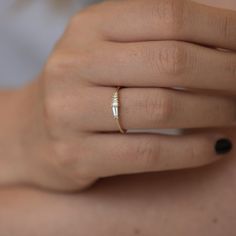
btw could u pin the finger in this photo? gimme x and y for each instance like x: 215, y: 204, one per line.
x: 135, y: 153
x: 147, y: 108
x: 161, y: 64
x: 138, y: 20
x: 228, y: 131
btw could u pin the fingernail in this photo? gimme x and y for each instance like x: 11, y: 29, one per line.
x: 223, y: 146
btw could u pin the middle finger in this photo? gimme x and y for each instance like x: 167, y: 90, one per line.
x: 160, y: 64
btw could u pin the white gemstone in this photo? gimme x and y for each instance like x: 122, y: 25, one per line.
x: 115, y: 111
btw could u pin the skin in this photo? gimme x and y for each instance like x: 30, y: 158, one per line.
x: 169, y: 44
x: 182, y: 200
x: 194, y: 202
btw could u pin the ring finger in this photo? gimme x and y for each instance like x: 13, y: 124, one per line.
x: 149, y: 108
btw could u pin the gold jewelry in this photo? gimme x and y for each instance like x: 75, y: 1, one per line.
x: 115, y: 109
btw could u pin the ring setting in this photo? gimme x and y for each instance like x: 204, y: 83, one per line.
x: 115, y: 109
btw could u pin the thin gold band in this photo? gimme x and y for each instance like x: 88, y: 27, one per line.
x: 119, y: 126
x: 115, y: 109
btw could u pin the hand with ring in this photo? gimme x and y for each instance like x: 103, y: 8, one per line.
x: 134, y: 65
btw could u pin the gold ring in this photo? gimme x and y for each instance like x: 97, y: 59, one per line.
x: 115, y: 110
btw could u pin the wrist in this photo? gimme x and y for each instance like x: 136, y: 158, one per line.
x: 19, y: 127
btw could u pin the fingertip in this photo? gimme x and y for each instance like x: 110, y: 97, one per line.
x: 223, y: 146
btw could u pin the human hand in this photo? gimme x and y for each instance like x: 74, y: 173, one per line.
x: 181, y: 203
x: 147, y: 48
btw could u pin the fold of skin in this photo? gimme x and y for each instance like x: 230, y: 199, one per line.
x: 180, y: 203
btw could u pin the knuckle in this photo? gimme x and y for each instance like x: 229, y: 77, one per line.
x: 173, y: 59
x: 229, y: 108
x: 159, y: 107
x: 64, y: 158
x: 193, y: 153
x: 199, y: 152
x: 231, y: 67
x: 58, y: 64
x: 147, y: 154
x: 68, y: 161
x: 63, y: 65
x: 53, y: 102
x: 53, y: 112
x: 227, y: 28
x: 225, y: 110
x: 61, y: 72
x: 171, y: 12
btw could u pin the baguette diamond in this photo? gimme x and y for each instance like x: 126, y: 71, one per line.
x: 115, y: 105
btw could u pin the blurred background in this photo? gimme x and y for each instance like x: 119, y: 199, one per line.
x: 28, y: 31
x: 30, y: 28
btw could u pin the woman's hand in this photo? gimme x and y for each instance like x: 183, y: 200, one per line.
x: 180, y: 203
x: 146, y: 47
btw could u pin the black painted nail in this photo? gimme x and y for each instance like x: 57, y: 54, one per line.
x: 223, y: 146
